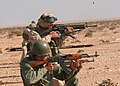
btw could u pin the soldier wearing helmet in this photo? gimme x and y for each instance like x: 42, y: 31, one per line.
x: 46, y: 22
x: 37, y: 71
x: 41, y: 48
x: 27, y: 32
x: 29, y: 37
x: 32, y: 25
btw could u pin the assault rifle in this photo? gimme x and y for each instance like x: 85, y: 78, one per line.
x: 65, y: 60
x: 61, y: 59
x: 62, y: 28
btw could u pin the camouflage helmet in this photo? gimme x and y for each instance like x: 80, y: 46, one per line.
x: 41, y: 48
x: 32, y: 25
x: 48, y: 17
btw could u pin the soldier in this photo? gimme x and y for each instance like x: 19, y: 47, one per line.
x: 36, y: 71
x: 32, y: 25
x: 45, y: 22
x: 29, y: 37
x: 55, y: 38
x: 27, y: 33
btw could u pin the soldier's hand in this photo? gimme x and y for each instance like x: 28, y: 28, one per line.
x: 68, y: 30
x: 75, y: 64
x: 54, y: 34
x: 50, y: 67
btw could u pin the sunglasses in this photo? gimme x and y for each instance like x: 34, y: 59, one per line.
x: 49, y: 19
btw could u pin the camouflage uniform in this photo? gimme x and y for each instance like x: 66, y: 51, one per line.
x: 31, y: 30
x: 44, y: 21
x: 35, y: 32
x: 42, y: 29
x: 29, y: 37
x: 29, y: 34
x: 38, y: 76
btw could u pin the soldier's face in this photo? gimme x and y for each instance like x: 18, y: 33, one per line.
x: 48, y: 25
x: 41, y: 58
x: 45, y: 24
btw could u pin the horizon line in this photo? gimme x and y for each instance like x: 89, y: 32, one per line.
x: 64, y: 22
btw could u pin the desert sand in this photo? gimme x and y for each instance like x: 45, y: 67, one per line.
x: 106, y: 41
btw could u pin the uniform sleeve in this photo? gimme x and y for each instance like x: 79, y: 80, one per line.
x: 31, y: 75
x: 25, y: 34
x: 59, y: 73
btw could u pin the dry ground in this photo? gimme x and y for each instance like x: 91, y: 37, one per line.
x: 106, y: 42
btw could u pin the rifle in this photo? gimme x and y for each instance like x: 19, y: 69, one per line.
x: 62, y: 28
x: 75, y: 26
x: 68, y: 57
x: 14, y: 49
x: 74, y: 37
x: 61, y: 59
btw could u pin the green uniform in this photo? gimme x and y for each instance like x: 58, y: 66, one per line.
x: 38, y: 76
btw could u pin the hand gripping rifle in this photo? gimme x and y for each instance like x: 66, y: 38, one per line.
x: 76, y: 27
x: 65, y: 60
x: 61, y: 59
x: 62, y: 28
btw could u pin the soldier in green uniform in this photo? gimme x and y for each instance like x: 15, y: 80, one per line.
x: 36, y: 71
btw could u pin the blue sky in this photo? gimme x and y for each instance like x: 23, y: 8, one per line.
x: 21, y: 12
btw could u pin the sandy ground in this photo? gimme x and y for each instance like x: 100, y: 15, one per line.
x: 106, y: 42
